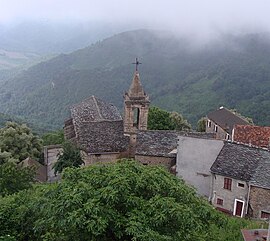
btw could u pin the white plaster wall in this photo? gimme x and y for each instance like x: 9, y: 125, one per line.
x: 195, y: 157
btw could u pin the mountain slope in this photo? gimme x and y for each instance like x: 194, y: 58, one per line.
x: 233, y: 71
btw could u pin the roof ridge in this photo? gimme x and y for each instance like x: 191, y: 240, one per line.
x: 98, y: 110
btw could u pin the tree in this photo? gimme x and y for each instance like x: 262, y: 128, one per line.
x: 14, y: 177
x: 123, y: 201
x: 178, y: 122
x: 19, y: 141
x: 159, y: 119
x: 53, y: 138
x: 201, y: 124
x: 69, y: 157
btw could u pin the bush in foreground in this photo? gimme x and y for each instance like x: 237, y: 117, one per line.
x: 123, y: 201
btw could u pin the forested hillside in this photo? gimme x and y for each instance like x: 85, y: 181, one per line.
x: 233, y: 71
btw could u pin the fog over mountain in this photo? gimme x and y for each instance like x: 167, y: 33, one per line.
x: 201, y: 20
x: 196, y: 55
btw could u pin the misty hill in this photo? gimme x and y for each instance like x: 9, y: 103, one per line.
x: 178, y: 75
x: 47, y: 37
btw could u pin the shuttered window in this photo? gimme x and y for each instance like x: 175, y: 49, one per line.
x: 228, y: 183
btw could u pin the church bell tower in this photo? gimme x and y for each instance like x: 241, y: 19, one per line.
x: 136, y: 103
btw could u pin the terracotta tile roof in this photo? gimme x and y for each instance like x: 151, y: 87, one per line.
x: 254, y: 234
x: 162, y: 142
x: 226, y: 119
x: 239, y: 161
x: 254, y: 135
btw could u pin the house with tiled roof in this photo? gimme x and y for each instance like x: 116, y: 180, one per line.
x: 237, y: 168
x: 222, y: 122
x: 253, y: 135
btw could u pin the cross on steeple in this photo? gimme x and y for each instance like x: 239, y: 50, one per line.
x: 137, y: 64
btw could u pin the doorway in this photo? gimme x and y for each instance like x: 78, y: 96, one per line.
x: 238, y: 208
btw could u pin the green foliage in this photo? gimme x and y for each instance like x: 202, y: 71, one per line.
x: 123, y: 201
x: 53, y: 138
x: 19, y: 141
x: 14, y: 177
x: 201, y: 124
x: 69, y: 157
x: 7, y: 238
x: 192, y: 83
x: 159, y: 119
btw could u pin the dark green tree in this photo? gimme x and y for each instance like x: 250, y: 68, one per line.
x: 19, y: 141
x: 123, y: 202
x: 53, y: 138
x: 69, y: 157
x: 159, y: 119
x: 14, y: 177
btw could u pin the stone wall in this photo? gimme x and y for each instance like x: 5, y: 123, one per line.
x: 259, y: 200
x: 50, y: 157
x: 220, y: 133
x: 90, y: 159
x: 228, y: 196
x: 156, y: 160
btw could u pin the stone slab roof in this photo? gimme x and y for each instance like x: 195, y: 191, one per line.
x: 226, y: 119
x: 239, y: 161
x: 94, y: 109
x: 255, y: 135
x: 261, y: 176
x: 103, y: 136
x: 162, y: 143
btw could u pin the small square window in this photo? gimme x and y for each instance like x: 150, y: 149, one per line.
x: 265, y: 214
x: 220, y: 201
x: 241, y: 185
x: 228, y: 183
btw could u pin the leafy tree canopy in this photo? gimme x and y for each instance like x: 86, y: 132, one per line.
x: 122, y: 201
x: 201, y: 124
x: 53, y: 138
x: 69, y: 157
x: 19, y: 141
x: 159, y: 119
x: 14, y: 177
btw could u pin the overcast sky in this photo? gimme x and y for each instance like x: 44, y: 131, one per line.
x: 188, y: 15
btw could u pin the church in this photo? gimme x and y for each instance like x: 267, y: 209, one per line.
x: 101, y: 132
x: 104, y: 136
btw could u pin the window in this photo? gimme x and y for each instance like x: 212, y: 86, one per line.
x: 228, y: 183
x: 220, y: 201
x: 136, y: 116
x: 227, y: 136
x: 209, y: 123
x: 265, y: 214
x: 241, y: 185
x: 215, y: 128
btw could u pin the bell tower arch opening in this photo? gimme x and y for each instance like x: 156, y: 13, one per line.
x: 136, y: 103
